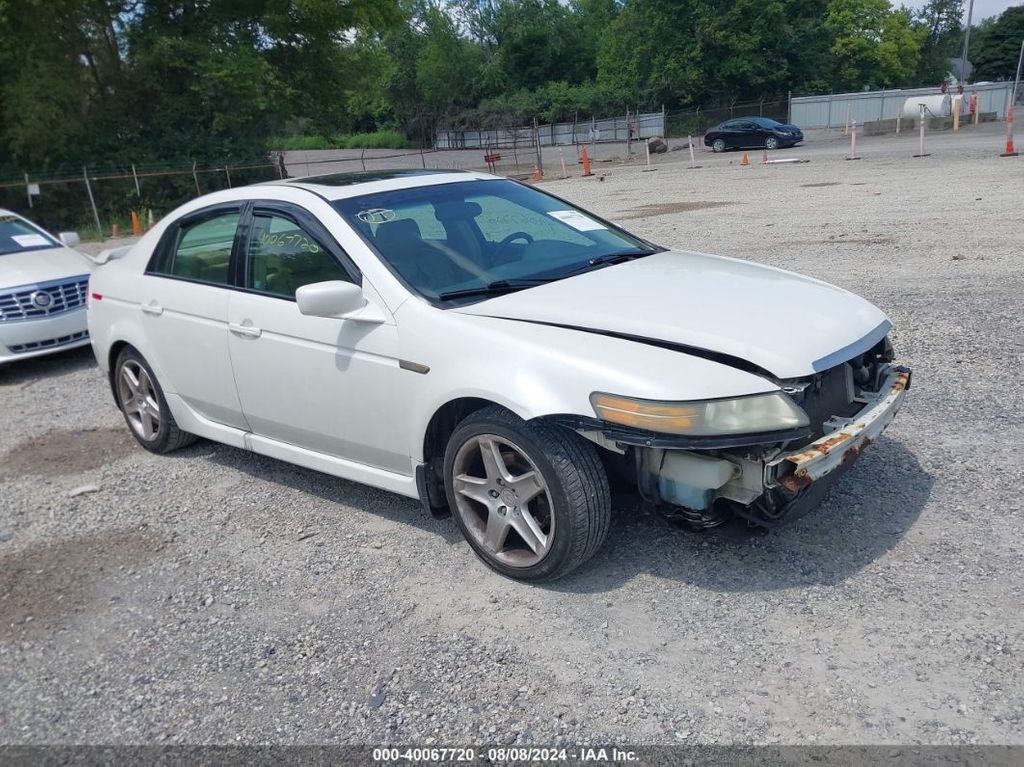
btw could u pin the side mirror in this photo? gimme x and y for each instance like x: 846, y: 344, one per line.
x: 336, y: 299
x: 69, y: 239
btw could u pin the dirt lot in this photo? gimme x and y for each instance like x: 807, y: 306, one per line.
x: 217, y: 596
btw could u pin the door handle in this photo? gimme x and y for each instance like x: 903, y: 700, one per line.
x: 244, y: 330
x: 152, y: 308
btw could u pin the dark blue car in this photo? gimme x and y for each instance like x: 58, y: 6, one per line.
x: 752, y: 133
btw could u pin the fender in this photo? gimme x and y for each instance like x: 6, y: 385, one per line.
x: 541, y: 370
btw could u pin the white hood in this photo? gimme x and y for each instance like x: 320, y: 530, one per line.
x: 786, y: 324
x: 33, y: 266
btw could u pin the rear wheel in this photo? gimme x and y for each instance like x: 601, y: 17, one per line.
x: 144, y: 407
x: 718, y: 145
x: 531, y: 498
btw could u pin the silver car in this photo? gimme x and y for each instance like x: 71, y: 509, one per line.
x: 43, y: 284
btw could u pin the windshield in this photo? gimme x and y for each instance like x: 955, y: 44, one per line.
x: 18, y: 236
x: 464, y: 240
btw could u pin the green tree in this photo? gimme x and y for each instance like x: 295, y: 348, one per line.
x: 60, y: 75
x: 995, y: 46
x: 532, y: 42
x: 650, y: 54
x: 173, y: 78
x: 448, y: 66
x: 873, y: 45
x: 746, y: 46
x: 942, y: 19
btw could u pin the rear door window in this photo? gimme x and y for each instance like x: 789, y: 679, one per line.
x: 202, y: 249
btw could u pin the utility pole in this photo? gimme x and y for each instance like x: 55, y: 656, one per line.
x: 536, y: 138
x: 967, y: 42
x: 1016, y: 80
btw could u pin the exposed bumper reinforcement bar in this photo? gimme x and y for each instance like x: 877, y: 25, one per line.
x: 843, y: 445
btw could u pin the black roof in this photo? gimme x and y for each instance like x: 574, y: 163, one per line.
x: 362, y: 177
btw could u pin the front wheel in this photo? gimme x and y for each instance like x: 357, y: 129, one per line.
x: 531, y: 498
x: 771, y: 143
x: 718, y: 146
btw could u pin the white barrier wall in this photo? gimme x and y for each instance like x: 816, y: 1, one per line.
x: 832, y: 110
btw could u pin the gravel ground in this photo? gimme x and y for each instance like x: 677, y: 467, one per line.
x: 214, y: 596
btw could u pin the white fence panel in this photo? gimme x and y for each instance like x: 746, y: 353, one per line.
x: 833, y: 110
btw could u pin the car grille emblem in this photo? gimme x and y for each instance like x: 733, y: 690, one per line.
x: 42, y: 299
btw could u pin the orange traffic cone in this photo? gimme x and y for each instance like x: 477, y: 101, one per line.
x: 745, y: 160
x: 586, y: 163
x: 1010, y: 151
x: 536, y: 175
x: 136, y: 224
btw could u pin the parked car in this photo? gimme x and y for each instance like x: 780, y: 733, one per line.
x: 752, y: 133
x: 492, y: 350
x: 42, y: 290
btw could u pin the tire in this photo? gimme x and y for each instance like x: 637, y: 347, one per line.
x: 153, y: 428
x: 771, y: 143
x: 718, y: 146
x: 571, y: 513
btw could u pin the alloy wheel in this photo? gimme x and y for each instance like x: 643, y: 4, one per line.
x: 503, y: 500
x: 139, y: 400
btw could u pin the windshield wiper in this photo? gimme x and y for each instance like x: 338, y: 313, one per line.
x: 605, y: 260
x: 496, y: 288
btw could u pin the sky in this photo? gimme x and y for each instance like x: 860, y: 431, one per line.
x: 982, y: 8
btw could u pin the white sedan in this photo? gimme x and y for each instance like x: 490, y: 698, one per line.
x: 494, y: 351
x: 42, y: 290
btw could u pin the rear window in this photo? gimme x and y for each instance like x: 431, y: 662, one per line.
x: 18, y: 236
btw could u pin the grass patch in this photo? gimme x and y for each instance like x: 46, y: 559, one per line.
x: 379, y: 139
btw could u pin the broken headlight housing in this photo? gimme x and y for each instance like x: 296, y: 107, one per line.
x: 752, y: 414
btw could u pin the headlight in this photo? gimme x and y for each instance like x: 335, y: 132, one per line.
x: 741, y: 415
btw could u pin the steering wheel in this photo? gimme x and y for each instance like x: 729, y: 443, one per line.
x: 499, y: 251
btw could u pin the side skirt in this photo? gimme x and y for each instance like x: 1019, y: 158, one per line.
x: 196, y: 424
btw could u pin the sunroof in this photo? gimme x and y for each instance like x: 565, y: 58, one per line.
x: 362, y: 177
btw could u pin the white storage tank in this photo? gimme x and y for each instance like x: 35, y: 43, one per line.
x: 939, y: 105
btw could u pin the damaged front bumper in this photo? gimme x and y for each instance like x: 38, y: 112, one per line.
x: 765, y: 479
x: 848, y: 439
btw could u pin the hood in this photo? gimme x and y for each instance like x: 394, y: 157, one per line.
x: 784, y: 323
x: 32, y: 266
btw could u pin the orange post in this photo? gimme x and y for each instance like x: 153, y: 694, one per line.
x: 536, y: 175
x: 745, y: 160
x: 586, y: 163
x: 136, y: 224
x: 115, y: 231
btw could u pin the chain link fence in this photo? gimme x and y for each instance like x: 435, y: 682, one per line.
x: 96, y: 198
x: 697, y: 121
